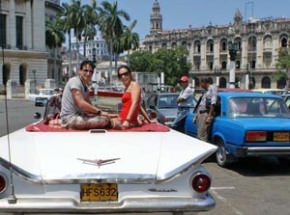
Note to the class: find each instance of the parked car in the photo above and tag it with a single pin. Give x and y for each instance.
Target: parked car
(43, 96)
(286, 98)
(49, 169)
(165, 105)
(279, 92)
(247, 124)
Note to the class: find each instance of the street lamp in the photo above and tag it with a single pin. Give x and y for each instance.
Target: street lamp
(233, 48)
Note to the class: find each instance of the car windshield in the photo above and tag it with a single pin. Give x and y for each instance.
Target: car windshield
(257, 107)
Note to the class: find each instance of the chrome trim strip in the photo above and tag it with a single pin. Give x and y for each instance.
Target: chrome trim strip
(268, 150)
(33, 205)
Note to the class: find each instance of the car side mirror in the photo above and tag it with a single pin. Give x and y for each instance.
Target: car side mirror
(37, 115)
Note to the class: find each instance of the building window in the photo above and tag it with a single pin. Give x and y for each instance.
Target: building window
(2, 30)
(252, 44)
(284, 42)
(224, 65)
(223, 45)
(19, 32)
(197, 47)
(266, 82)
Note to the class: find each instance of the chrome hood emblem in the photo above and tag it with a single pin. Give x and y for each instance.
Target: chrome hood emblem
(98, 162)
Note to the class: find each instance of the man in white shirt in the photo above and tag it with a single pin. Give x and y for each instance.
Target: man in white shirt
(205, 110)
(184, 102)
(185, 97)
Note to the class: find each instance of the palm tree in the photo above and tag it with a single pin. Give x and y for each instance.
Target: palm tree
(130, 39)
(111, 26)
(54, 39)
(91, 19)
(78, 23)
(65, 21)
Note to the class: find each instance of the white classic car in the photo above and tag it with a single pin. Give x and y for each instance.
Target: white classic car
(42, 96)
(48, 169)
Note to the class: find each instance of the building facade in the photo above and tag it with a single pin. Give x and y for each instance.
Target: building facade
(95, 50)
(22, 35)
(257, 42)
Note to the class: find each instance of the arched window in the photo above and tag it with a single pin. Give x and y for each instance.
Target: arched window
(284, 41)
(268, 42)
(266, 82)
(223, 45)
(209, 46)
(197, 47)
(238, 43)
(252, 43)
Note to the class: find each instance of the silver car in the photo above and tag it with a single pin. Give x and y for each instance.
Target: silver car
(165, 105)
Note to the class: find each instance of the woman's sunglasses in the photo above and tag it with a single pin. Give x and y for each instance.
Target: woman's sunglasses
(125, 74)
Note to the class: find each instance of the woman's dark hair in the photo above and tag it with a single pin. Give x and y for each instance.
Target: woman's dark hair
(125, 67)
(129, 71)
(87, 62)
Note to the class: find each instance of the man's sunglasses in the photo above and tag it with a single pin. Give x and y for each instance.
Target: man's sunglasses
(87, 70)
(125, 74)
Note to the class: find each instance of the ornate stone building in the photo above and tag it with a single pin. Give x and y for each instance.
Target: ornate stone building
(22, 33)
(257, 42)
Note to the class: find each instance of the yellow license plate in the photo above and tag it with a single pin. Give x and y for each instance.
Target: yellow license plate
(281, 136)
(99, 192)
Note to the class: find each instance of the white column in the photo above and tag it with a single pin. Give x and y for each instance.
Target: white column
(1, 74)
(232, 74)
(38, 29)
(247, 81)
(216, 56)
(203, 55)
(28, 25)
(259, 53)
(244, 60)
(11, 24)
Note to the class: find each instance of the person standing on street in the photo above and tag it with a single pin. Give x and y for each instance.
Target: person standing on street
(205, 112)
(184, 102)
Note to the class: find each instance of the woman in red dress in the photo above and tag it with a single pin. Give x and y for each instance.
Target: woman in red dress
(131, 99)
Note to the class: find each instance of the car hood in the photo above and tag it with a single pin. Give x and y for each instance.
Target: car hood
(52, 156)
(264, 123)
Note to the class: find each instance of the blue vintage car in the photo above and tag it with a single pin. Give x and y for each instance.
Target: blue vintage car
(247, 124)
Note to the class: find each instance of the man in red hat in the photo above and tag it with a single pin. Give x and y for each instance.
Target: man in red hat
(184, 101)
(186, 95)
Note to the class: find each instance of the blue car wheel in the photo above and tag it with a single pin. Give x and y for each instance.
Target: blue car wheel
(222, 157)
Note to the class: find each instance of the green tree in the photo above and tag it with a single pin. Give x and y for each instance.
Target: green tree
(111, 26)
(65, 20)
(90, 16)
(283, 65)
(172, 62)
(130, 39)
(54, 37)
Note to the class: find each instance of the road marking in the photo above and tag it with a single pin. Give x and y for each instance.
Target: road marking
(224, 200)
(222, 188)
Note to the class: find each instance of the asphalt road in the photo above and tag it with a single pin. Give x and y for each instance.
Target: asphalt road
(252, 187)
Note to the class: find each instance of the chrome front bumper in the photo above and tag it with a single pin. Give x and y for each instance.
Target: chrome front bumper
(55, 205)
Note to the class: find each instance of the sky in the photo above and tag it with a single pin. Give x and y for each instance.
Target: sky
(179, 14)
